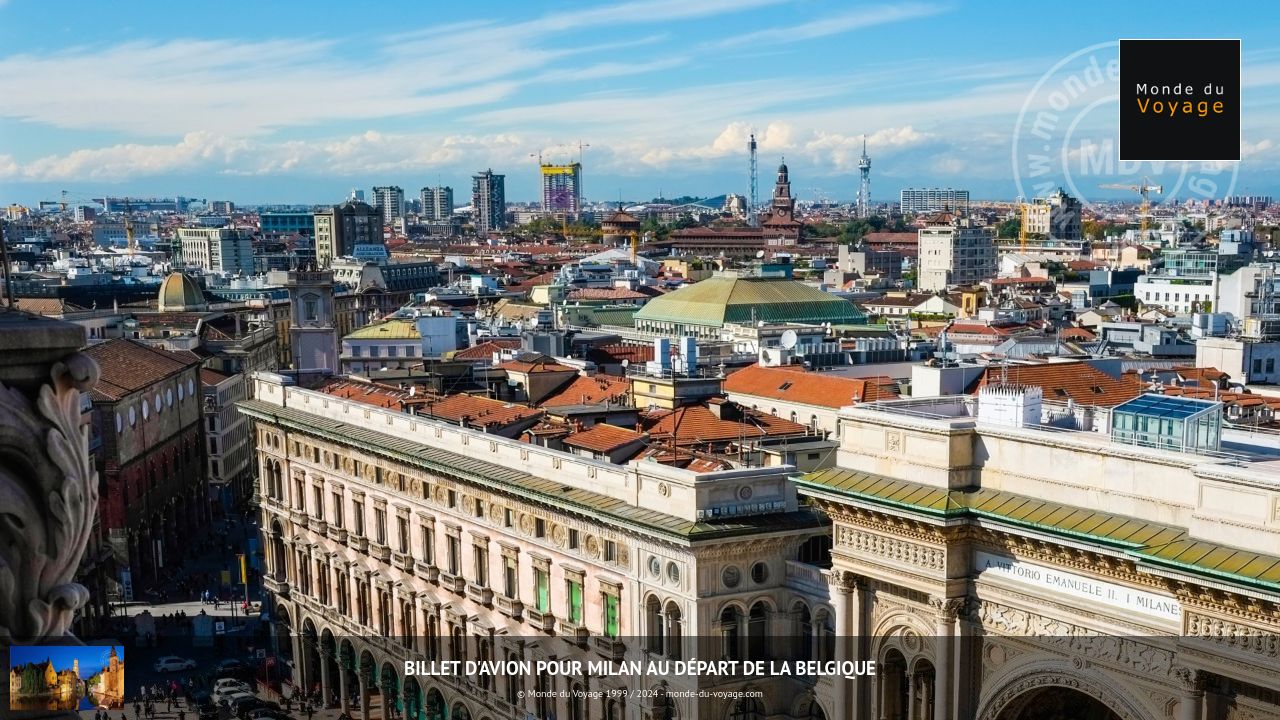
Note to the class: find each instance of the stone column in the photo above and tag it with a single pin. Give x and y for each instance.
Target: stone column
(42, 375)
(364, 694)
(324, 673)
(913, 704)
(1191, 704)
(344, 692)
(946, 609)
(299, 657)
(841, 587)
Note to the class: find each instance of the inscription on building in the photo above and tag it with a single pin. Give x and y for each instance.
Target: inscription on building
(1078, 586)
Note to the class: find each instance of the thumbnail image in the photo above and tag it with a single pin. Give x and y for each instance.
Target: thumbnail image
(58, 677)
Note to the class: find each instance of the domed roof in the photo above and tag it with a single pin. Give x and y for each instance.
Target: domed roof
(180, 293)
(730, 298)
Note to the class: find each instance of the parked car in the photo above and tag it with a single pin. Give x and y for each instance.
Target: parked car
(228, 682)
(230, 695)
(242, 707)
(173, 663)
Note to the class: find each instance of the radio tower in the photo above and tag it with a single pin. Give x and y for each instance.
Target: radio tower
(864, 189)
(754, 201)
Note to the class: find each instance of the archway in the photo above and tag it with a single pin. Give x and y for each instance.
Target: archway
(460, 712)
(283, 639)
(758, 632)
(330, 670)
(434, 706)
(894, 688)
(278, 557)
(412, 695)
(922, 680)
(348, 680)
(389, 689)
(308, 671)
(1056, 701)
(368, 674)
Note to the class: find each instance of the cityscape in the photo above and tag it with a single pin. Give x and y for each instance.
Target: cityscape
(779, 411)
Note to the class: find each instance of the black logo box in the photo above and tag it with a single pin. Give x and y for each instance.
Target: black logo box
(1180, 66)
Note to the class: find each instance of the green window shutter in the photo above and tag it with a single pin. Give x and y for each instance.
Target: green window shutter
(575, 603)
(544, 591)
(611, 615)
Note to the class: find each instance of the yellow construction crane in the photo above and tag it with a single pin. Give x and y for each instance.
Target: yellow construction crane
(1144, 211)
(1022, 227)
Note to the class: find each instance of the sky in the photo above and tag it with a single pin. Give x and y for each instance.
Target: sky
(92, 658)
(299, 102)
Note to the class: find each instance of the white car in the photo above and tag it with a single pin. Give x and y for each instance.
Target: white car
(229, 684)
(230, 695)
(174, 663)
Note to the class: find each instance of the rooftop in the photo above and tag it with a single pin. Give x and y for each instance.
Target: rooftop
(730, 298)
(128, 366)
(390, 329)
(808, 388)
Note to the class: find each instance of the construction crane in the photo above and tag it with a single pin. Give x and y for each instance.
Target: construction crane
(1022, 227)
(1144, 211)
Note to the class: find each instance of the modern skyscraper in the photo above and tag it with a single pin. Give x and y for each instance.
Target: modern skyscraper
(225, 250)
(923, 200)
(1055, 218)
(389, 199)
(437, 202)
(489, 201)
(562, 188)
(340, 229)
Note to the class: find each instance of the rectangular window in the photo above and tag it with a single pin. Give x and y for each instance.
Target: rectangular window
(574, 590)
(428, 545)
(455, 553)
(380, 525)
(357, 517)
(479, 508)
(511, 577)
(337, 509)
(507, 518)
(611, 615)
(318, 494)
(539, 528)
(1271, 365)
(542, 579)
(573, 539)
(402, 526)
(453, 499)
(610, 551)
(480, 565)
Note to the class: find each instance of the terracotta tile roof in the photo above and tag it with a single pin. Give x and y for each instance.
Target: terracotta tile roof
(1208, 377)
(129, 366)
(486, 349)
(1075, 333)
(211, 377)
(1077, 381)
(1021, 281)
(698, 425)
(617, 353)
(478, 412)
(366, 392)
(1080, 265)
(604, 438)
(808, 388)
(910, 300)
(543, 364)
(595, 390)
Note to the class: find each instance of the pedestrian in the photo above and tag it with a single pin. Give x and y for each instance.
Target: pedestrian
(311, 710)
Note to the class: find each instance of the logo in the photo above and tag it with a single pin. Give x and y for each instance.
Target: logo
(1067, 136)
(1180, 100)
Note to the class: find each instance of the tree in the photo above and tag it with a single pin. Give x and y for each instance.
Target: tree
(1009, 228)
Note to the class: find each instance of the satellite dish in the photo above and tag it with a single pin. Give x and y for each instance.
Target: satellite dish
(759, 253)
(789, 339)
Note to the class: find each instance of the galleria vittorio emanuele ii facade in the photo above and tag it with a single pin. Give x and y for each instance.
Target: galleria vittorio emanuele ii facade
(972, 562)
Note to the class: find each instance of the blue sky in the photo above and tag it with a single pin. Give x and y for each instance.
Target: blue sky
(92, 658)
(301, 101)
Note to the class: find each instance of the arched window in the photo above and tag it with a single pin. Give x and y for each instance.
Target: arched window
(654, 622)
(675, 631)
(803, 631)
(816, 551)
(664, 708)
(758, 632)
(826, 631)
(576, 708)
(731, 633)
(746, 709)
(794, 417)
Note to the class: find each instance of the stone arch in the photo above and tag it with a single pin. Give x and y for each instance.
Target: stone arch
(1020, 682)
(459, 711)
(747, 707)
(434, 706)
(906, 633)
(807, 706)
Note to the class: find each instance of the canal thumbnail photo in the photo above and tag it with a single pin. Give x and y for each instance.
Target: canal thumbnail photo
(62, 677)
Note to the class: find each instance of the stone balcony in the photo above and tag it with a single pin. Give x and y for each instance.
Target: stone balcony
(545, 622)
(337, 533)
(480, 594)
(455, 584)
(510, 607)
(575, 633)
(611, 649)
(427, 572)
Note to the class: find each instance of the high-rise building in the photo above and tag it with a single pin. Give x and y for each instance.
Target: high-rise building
(437, 202)
(389, 200)
(955, 250)
(222, 207)
(222, 249)
(489, 201)
(1055, 218)
(562, 188)
(340, 229)
(923, 200)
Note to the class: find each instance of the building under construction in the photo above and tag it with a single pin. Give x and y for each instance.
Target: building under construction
(562, 189)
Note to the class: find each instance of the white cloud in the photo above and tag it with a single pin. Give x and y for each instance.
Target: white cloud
(858, 19)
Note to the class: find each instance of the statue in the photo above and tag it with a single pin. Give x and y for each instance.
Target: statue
(48, 484)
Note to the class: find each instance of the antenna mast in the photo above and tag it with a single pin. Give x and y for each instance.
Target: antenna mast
(864, 188)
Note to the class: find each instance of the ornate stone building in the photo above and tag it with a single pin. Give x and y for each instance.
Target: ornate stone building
(394, 537)
(999, 569)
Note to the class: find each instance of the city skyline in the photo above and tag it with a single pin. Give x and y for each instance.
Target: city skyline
(278, 107)
(93, 658)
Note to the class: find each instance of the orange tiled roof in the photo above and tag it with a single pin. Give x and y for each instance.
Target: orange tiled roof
(583, 390)
(365, 392)
(486, 349)
(211, 377)
(697, 425)
(618, 352)
(128, 366)
(543, 364)
(1060, 382)
(1076, 333)
(604, 438)
(476, 411)
(808, 388)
